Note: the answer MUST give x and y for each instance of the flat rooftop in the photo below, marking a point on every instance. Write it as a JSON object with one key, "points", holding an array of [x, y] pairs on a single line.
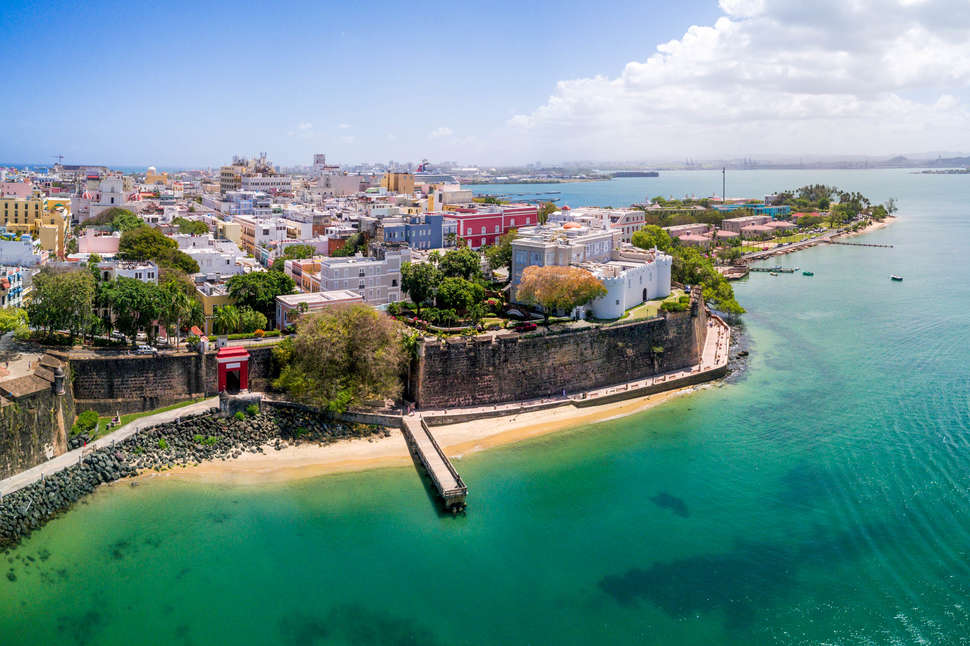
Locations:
{"points": [[316, 298]]}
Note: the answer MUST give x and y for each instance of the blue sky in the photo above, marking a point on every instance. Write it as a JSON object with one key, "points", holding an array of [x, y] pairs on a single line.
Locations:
{"points": [[191, 83]]}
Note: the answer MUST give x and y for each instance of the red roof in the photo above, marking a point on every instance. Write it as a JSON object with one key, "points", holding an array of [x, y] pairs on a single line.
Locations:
{"points": [[232, 352]]}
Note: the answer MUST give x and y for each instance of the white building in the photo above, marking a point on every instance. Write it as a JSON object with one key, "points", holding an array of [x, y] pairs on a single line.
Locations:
{"points": [[215, 257], [568, 244], [630, 279], [267, 183], [146, 272], [378, 280], [20, 250]]}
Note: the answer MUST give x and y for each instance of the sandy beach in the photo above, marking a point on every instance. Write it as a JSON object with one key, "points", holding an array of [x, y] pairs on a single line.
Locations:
{"points": [[310, 460], [889, 219]]}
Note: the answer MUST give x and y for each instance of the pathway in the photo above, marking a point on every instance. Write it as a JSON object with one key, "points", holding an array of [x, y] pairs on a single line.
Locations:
{"points": [[61, 462]]}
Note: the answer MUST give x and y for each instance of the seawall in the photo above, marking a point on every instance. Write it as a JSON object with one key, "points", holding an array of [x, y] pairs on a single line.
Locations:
{"points": [[34, 418], [492, 369]]}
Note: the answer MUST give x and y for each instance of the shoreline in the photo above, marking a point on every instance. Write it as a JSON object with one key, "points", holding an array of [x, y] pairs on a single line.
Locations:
{"points": [[304, 461]]}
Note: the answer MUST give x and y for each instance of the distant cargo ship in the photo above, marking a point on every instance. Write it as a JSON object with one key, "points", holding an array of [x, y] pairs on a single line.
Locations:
{"points": [[636, 173]]}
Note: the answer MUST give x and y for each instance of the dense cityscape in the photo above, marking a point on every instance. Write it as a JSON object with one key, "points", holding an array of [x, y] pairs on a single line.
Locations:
{"points": [[544, 323]]}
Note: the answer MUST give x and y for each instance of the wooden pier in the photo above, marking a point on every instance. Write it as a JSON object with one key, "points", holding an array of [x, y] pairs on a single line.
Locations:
{"points": [[446, 480], [780, 270], [861, 244]]}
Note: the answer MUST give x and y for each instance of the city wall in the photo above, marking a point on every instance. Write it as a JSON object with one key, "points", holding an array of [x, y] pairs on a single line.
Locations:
{"points": [[473, 371], [34, 418], [117, 383]]}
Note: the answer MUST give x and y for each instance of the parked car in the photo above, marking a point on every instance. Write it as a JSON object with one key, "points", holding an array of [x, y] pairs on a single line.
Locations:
{"points": [[141, 348], [525, 326]]}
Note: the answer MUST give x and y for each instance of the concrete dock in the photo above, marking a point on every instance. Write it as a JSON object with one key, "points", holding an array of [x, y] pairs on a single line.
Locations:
{"points": [[446, 480]]}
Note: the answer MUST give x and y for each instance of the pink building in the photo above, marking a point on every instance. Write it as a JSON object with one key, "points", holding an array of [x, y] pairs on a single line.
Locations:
{"points": [[16, 189], [480, 226], [98, 242]]}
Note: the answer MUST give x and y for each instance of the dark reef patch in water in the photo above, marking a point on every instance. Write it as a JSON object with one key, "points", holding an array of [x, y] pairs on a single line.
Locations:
{"points": [[677, 505], [354, 624]]}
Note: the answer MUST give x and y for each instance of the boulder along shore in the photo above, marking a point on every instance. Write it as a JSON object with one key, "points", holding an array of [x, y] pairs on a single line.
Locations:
{"points": [[190, 441]]}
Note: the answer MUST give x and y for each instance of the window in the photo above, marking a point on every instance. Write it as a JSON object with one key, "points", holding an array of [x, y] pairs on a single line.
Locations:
{"points": [[512, 223], [394, 282], [483, 230]]}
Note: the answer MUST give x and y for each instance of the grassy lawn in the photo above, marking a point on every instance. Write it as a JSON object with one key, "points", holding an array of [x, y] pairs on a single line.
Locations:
{"points": [[646, 310], [103, 422]]}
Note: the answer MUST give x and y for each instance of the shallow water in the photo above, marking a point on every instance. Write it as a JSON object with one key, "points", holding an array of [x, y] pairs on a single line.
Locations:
{"points": [[819, 497]]}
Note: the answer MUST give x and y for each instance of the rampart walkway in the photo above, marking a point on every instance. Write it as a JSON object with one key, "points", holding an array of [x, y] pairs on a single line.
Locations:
{"points": [[61, 462]]}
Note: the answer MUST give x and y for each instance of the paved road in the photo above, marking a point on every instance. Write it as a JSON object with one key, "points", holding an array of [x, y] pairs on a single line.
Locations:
{"points": [[61, 462]]}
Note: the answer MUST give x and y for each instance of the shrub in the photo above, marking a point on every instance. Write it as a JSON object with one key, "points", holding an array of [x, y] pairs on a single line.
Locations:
{"points": [[86, 421], [198, 439], [240, 415], [162, 444], [252, 410], [674, 306], [259, 334], [493, 304]]}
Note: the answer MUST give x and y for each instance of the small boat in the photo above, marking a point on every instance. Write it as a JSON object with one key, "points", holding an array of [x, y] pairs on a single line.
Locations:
{"points": [[808, 273], [895, 277], [774, 273]]}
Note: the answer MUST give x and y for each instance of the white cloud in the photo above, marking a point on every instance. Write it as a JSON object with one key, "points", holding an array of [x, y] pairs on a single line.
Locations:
{"points": [[775, 76], [305, 125], [344, 126], [441, 132]]}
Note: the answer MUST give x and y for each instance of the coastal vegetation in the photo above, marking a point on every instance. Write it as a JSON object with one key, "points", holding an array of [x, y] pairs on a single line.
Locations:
{"points": [[691, 267], [342, 357]]}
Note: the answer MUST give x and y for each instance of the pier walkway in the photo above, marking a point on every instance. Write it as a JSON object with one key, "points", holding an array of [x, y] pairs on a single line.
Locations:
{"points": [[446, 480]]}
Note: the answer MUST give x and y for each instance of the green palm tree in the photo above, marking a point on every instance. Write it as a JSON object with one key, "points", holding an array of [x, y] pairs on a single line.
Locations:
{"points": [[227, 320]]}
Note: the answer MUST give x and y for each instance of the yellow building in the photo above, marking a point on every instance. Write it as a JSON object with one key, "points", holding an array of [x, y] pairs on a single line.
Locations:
{"points": [[398, 182], [46, 219], [228, 231], [152, 176], [211, 297], [230, 177]]}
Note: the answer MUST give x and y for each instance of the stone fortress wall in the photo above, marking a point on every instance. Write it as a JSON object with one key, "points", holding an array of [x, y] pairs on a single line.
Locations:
{"points": [[482, 370]]}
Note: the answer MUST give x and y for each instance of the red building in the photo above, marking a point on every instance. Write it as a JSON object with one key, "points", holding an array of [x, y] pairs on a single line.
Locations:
{"points": [[480, 226]]}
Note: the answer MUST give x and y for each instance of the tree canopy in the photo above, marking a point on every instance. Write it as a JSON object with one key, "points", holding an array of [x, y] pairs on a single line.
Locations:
{"points": [[62, 300], [419, 281], [461, 263], [342, 357], [500, 255], [258, 290], [459, 294], [147, 243], [558, 289], [652, 236], [190, 227]]}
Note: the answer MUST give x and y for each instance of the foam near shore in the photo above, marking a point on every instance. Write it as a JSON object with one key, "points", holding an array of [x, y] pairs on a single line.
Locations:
{"points": [[310, 460]]}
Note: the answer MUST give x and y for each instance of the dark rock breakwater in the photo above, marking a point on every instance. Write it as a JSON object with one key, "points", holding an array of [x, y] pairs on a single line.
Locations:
{"points": [[189, 441]]}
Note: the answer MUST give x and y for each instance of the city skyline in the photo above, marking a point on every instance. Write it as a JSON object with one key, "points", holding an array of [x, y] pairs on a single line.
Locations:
{"points": [[182, 86]]}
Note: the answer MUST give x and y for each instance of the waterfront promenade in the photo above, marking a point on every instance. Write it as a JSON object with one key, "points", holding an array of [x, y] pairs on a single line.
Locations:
{"points": [[63, 461]]}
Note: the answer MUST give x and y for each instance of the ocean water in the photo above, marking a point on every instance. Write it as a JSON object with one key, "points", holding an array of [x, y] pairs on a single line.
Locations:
{"points": [[820, 497]]}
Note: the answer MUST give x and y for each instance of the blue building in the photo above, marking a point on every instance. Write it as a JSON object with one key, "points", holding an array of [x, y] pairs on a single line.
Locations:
{"points": [[428, 231], [773, 212]]}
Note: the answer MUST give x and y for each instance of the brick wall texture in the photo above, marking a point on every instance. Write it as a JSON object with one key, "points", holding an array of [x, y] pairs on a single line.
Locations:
{"points": [[482, 370]]}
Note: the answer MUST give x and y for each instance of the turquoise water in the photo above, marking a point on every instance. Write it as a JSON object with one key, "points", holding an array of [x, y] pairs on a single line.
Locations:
{"points": [[820, 497]]}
